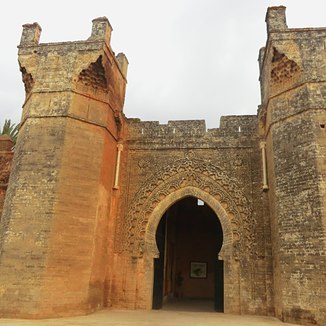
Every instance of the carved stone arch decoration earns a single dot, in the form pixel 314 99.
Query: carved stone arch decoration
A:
pixel 94 76
pixel 283 69
pixel 188 173
pixel 27 80
pixel 150 246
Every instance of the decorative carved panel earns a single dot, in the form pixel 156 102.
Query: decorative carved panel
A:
pixel 195 172
pixel 283 69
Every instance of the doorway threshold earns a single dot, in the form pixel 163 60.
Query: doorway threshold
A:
pixel 188 304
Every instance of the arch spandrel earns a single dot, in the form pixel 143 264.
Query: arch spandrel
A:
pixel 189 176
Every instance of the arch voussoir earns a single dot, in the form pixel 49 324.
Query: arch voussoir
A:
pixel 188 178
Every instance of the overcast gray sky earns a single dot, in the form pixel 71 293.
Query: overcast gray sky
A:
pixel 188 59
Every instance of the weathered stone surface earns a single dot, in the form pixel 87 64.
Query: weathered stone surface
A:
pixel 54 226
pixel 6 155
pixel 89 187
pixel 293 124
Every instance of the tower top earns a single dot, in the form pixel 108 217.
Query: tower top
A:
pixel 101 29
pixel 276 19
pixel 31 34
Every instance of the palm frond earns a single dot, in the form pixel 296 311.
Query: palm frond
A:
pixel 10 129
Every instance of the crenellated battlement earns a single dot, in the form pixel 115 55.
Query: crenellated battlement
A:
pixel 230 126
pixel 101 31
pixel 73 55
pixel 81 80
pixel 276 19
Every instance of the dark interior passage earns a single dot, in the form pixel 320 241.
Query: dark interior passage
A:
pixel 189 238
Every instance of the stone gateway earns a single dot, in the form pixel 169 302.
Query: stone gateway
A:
pixel 104 211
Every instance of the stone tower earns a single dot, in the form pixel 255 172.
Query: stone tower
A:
pixel 292 127
pixel 60 194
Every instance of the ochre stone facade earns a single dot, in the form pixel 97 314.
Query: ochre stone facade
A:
pixel 6 155
pixel 96 202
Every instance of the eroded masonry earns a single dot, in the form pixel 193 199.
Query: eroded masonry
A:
pixel 103 211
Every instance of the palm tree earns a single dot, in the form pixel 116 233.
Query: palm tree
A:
pixel 10 129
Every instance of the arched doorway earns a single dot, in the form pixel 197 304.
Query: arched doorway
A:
pixel 189 237
pixel 142 250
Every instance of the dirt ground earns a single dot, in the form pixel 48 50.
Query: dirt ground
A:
pixel 150 318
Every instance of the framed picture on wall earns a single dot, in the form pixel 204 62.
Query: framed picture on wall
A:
pixel 198 269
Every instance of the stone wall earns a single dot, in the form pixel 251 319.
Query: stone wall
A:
pixel 223 162
pixel 6 155
pixel 293 71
